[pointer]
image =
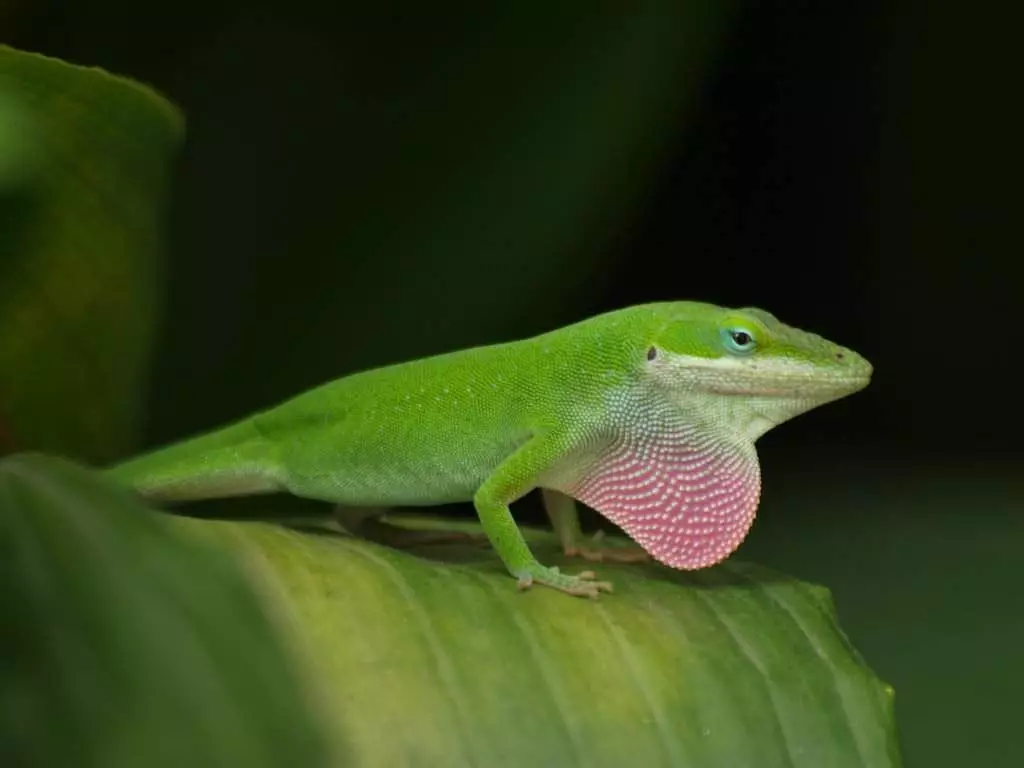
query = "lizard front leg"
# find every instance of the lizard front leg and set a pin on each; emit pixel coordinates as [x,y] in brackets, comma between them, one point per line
[514,477]
[565,520]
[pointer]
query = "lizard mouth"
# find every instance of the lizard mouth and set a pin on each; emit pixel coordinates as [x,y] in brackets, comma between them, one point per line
[790,387]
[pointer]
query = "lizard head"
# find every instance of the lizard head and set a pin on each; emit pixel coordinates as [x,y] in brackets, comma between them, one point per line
[702,384]
[745,369]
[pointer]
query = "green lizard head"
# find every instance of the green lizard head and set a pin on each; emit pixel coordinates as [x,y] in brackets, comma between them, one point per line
[748,369]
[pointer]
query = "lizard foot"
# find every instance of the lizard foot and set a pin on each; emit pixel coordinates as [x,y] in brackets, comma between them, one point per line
[597,553]
[583,585]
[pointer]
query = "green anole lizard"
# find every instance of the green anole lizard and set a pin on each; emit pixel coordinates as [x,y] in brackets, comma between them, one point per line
[647,414]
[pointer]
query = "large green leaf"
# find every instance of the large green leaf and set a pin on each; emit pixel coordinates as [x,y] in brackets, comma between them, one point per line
[84,161]
[123,637]
[437,659]
[126,644]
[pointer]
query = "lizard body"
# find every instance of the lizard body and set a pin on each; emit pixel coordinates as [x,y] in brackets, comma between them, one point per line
[649,414]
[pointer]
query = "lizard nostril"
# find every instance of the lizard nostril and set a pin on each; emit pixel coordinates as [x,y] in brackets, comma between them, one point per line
[839,355]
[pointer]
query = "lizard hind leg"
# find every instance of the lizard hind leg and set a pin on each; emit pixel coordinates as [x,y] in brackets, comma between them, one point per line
[369,523]
[561,510]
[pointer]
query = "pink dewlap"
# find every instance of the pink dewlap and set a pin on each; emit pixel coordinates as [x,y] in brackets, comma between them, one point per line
[687,501]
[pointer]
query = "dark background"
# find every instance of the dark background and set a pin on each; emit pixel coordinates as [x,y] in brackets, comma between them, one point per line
[365,184]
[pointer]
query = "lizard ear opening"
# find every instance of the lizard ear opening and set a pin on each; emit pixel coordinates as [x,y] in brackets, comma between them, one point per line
[652,353]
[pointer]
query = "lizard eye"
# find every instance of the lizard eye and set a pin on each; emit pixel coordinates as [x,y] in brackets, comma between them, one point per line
[739,340]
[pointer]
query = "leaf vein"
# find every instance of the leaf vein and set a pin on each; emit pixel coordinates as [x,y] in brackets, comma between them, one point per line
[816,647]
[755,661]
[667,742]
[569,720]
[444,667]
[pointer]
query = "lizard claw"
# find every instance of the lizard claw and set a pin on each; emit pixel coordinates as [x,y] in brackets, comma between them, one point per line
[582,585]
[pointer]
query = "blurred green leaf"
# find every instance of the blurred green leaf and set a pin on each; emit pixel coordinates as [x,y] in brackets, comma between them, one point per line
[437,659]
[126,644]
[84,161]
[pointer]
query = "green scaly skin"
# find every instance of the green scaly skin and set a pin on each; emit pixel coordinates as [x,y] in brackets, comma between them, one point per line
[648,413]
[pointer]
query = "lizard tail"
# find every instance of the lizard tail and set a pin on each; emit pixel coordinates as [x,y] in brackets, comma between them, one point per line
[233,461]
